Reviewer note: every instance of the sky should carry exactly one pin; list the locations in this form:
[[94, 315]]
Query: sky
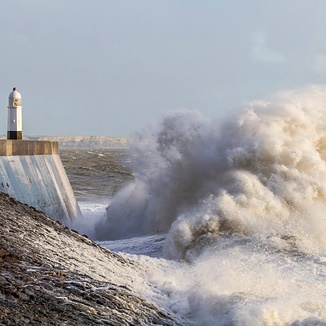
[[112, 67]]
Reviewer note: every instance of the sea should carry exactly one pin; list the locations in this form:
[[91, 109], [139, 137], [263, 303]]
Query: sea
[[229, 217]]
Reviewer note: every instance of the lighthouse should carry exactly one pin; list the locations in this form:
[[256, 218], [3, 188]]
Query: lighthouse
[[31, 171], [15, 116]]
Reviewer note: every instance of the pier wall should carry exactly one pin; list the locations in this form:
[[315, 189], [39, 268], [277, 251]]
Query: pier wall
[[32, 172]]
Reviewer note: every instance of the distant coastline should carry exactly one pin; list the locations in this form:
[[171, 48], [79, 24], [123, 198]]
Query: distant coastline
[[84, 142]]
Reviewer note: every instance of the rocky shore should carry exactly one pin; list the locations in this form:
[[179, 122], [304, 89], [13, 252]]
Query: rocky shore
[[51, 275]]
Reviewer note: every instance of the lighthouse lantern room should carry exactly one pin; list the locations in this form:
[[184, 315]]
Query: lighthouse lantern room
[[15, 116]]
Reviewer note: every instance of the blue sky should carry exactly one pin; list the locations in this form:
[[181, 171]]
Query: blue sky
[[105, 67]]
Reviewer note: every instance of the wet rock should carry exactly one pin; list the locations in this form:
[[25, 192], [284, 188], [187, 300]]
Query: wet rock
[[50, 275]]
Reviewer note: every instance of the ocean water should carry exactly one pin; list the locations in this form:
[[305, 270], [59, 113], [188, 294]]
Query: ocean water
[[229, 217]]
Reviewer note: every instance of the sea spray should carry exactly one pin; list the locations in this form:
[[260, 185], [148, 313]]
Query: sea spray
[[243, 205], [244, 281], [262, 173]]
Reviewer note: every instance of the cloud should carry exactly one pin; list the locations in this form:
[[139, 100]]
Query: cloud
[[262, 52]]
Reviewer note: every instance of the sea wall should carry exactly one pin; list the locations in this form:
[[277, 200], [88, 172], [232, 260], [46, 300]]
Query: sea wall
[[37, 179]]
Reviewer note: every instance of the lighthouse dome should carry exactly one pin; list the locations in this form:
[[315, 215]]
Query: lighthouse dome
[[15, 99]]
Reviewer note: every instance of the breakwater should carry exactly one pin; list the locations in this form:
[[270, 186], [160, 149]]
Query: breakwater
[[32, 172]]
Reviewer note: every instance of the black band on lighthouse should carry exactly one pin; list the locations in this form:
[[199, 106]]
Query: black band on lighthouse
[[14, 135]]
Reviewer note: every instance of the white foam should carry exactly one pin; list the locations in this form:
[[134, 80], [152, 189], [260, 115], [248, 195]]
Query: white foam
[[92, 213], [243, 204], [263, 172], [241, 282]]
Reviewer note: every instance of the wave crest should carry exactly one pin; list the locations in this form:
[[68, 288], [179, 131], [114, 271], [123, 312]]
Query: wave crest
[[261, 173]]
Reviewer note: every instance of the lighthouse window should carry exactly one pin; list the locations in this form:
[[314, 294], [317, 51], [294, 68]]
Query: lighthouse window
[[17, 101], [13, 120]]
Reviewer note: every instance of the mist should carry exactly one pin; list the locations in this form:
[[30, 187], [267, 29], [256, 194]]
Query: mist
[[262, 173]]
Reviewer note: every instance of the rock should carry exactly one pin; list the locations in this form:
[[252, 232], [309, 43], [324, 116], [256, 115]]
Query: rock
[[51, 275]]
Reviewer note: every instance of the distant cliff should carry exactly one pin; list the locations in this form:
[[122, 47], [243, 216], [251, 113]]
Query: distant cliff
[[86, 142], [51, 275]]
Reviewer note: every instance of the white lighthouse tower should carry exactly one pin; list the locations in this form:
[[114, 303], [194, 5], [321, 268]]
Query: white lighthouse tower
[[15, 123]]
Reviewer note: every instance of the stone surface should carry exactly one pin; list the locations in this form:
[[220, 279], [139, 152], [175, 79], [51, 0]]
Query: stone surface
[[51, 275]]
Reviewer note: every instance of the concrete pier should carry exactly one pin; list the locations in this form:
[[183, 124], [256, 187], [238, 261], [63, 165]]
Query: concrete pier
[[32, 172], [28, 147]]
